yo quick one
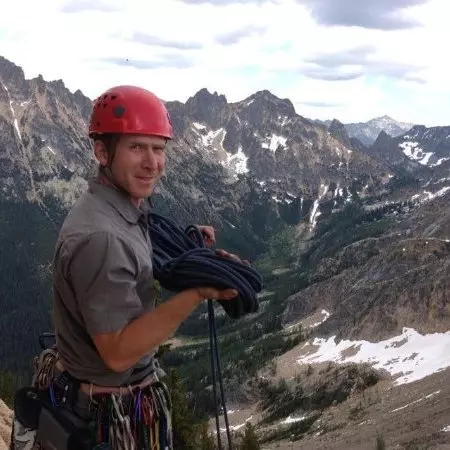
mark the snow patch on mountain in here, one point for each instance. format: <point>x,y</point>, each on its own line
<point>274,142</point>
<point>427,195</point>
<point>199,126</point>
<point>408,357</point>
<point>312,321</point>
<point>16,123</point>
<point>416,401</point>
<point>211,138</point>
<point>440,161</point>
<point>291,419</point>
<point>315,213</point>
<point>413,151</point>
<point>284,120</point>
<point>237,162</point>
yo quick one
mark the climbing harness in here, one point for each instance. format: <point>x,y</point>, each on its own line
<point>181,261</point>
<point>47,413</point>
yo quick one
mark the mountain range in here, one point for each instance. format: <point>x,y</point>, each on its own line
<point>367,132</point>
<point>348,223</point>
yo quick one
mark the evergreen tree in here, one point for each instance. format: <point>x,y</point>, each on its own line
<point>249,440</point>
<point>205,439</point>
<point>182,418</point>
<point>8,387</point>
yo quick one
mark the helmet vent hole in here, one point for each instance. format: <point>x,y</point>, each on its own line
<point>104,105</point>
<point>119,111</point>
<point>113,97</point>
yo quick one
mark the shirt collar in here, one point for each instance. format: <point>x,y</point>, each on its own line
<point>119,200</point>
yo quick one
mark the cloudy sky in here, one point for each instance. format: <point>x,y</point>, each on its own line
<point>346,59</point>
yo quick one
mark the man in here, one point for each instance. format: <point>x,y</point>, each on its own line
<point>106,322</point>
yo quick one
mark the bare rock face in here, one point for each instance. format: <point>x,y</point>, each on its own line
<point>337,129</point>
<point>377,286</point>
<point>6,418</point>
<point>42,134</point>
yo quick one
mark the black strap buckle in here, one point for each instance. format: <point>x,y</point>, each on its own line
<point>44,338</point>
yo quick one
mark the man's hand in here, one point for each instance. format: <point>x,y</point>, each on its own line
<point>216,294</point>
<point>209,235</point>
<point>232,256</point>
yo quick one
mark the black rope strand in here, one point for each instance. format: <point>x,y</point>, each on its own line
<point>181,261</point>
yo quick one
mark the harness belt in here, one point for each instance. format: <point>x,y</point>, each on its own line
<point>92,389</point>
<point>64,412</point>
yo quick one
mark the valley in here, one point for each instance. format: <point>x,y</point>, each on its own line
<point>352,239</point>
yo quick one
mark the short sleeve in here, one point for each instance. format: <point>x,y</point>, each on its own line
<point>103,272</point>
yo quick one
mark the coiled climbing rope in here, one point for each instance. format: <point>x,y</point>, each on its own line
<point>181,261</point>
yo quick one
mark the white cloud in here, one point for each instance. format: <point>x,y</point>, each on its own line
<point>285,50</point>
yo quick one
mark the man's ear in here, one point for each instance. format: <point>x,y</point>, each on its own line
<point>101,153</point>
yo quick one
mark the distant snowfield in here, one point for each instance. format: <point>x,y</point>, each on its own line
<point>275,141</point>
<point>319,319</point>
<point>408,357</point>
<point>413,151</point>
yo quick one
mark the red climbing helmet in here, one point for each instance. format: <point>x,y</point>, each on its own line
<point>130,110</point>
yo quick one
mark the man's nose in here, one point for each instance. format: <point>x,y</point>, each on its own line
<point>150,160</point>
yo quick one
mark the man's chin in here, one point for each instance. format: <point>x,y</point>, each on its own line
<point>143,192</point>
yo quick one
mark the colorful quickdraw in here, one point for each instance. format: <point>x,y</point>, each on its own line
<point>139,420</point>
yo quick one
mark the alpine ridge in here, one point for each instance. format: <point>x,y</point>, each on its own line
<point>348,223</point>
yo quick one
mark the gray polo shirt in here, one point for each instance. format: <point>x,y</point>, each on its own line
<point>102,280</point>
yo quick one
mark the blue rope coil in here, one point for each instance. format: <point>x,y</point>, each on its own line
<point>181,261</point>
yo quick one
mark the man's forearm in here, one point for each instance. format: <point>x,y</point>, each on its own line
<point>153,328</point>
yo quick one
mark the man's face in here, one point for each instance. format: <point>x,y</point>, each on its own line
<point>138,164</point>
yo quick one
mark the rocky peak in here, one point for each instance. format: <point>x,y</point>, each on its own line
<point>432,134</point>
<point>417,131</point>
<point>262,104</point>
<point>205,107</point>
<point>12,78</point>
<point>385,118</point>
<point>9,72</point>
<point>383,138</point>
<point>58,86</point>
<point>337,129</point>
<point>367,132</point>
<point>85,103</point>
<point>39,84</point>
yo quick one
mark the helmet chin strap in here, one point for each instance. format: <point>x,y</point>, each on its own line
<point>106,173</point>
<point>106,169</point>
